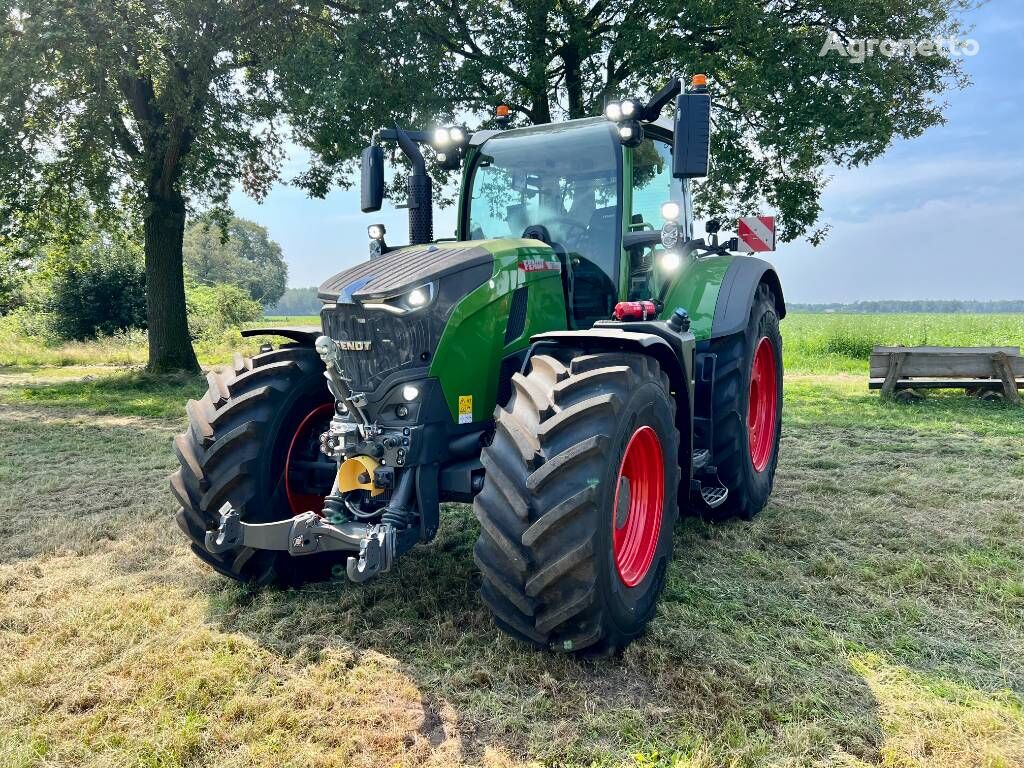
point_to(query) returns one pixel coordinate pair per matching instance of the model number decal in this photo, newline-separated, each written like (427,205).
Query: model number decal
(539,265)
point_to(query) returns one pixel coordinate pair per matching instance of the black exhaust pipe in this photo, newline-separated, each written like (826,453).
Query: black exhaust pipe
(420,201)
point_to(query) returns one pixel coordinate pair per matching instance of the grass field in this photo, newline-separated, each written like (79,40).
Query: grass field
(872,615)
(818,343)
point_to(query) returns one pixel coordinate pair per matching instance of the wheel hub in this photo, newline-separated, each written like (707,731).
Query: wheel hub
(304,462)
(638,506)
(762,405)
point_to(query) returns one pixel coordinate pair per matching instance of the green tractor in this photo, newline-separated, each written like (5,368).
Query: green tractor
(574,363)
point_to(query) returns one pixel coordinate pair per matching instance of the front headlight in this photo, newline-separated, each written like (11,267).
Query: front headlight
(411,301)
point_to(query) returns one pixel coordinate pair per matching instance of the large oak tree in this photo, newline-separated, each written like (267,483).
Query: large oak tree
(142,104)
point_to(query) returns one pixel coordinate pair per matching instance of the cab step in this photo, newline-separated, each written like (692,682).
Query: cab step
(714,496)
(701,459)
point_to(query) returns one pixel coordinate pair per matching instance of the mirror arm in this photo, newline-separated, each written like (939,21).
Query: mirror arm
(652,110)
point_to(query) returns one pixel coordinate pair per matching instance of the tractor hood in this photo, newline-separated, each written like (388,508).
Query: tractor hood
(399,271)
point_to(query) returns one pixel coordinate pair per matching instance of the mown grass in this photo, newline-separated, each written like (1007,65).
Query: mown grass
(872,615)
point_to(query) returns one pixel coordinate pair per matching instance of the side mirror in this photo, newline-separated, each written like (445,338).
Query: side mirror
(692,139)
(372,179)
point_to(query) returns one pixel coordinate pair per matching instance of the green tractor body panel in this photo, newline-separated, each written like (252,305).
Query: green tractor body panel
(696,289)
(480,333)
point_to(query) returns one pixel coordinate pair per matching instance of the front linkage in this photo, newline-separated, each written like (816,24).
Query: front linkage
(307,534)
(377,544)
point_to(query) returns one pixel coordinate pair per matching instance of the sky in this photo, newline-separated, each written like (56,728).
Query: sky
(934,218)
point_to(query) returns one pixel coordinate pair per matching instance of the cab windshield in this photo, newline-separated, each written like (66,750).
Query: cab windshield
(564,180)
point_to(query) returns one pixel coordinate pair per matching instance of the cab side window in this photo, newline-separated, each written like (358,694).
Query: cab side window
(653,184)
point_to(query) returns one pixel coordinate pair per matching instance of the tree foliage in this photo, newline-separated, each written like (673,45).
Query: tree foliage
(296,302)
(151,107)
(214,309)
(143,106)
(783,113)
(240,253)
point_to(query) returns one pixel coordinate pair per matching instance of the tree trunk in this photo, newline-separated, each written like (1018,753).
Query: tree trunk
(170,347)
(537,61)
(573,81)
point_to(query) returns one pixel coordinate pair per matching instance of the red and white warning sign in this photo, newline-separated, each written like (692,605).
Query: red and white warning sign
(756,233)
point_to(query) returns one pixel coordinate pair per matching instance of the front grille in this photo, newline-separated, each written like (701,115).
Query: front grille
(397,342)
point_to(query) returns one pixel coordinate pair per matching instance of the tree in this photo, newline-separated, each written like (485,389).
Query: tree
(296,302)
(141,105)
(12,275)
(784,108)
(240,253)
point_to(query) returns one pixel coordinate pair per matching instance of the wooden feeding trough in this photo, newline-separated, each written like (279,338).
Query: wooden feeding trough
(977,370)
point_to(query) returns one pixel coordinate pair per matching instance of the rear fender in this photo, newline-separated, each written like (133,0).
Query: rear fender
(736,294)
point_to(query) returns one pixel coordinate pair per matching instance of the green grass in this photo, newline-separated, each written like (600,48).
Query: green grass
(125,350)
(872,615)
(289,320)
(130,394)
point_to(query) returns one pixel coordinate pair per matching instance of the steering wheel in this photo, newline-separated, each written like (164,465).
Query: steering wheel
(574,230)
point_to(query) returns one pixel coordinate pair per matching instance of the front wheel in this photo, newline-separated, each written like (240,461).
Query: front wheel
(253,442)
(748,409)
(579,501)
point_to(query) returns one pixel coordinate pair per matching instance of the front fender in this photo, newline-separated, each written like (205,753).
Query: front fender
(305,335)
(676,359)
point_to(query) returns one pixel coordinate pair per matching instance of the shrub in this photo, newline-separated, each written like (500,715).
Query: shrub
(93,288)
(213,309)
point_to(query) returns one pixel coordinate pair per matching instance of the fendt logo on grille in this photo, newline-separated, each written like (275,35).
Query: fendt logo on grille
(355,346)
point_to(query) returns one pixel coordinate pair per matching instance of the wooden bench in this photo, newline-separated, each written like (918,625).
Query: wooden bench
(978,369)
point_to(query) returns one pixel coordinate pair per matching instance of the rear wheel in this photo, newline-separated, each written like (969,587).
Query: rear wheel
(579,501)
(748,409)
(253,442)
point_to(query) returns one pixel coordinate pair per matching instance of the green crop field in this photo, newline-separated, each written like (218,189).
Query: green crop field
(830,343)
(873,615)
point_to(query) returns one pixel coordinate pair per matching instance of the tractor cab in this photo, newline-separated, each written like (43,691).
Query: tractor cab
(593,190)
(576,187)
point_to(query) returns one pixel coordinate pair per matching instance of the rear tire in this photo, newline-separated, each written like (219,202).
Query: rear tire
(235,451)
(735,456)
(568,562)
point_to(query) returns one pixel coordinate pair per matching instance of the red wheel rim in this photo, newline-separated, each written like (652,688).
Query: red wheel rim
(298,500)
(762,406)
(635,527)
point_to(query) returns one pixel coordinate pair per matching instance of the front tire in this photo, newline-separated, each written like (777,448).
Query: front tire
(748,409)
(579,502)
(253,442)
